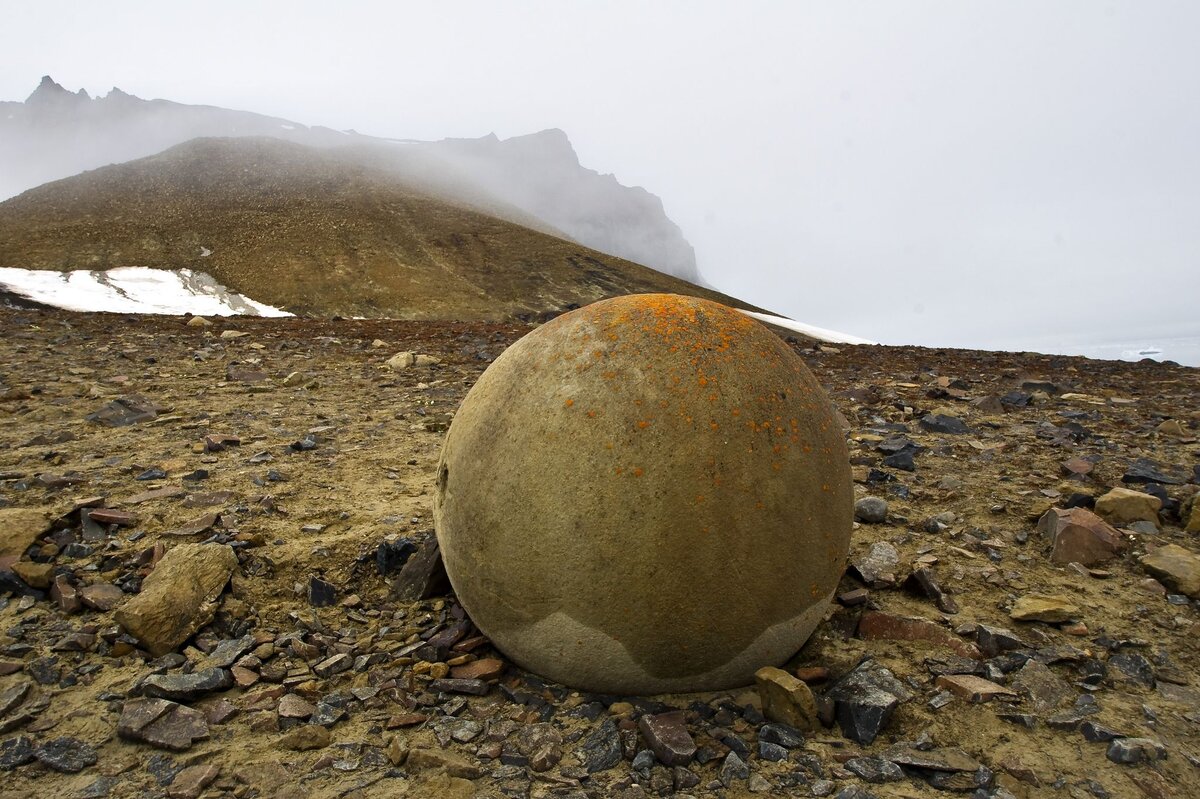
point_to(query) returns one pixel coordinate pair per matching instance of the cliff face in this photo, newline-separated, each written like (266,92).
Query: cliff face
(533,180)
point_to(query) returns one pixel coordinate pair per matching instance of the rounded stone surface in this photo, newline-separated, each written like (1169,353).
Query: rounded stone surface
(648,494)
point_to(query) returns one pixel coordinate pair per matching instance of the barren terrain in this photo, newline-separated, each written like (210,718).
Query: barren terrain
(295,443)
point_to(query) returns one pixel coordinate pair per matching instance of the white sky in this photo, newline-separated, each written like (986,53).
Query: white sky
(999,174)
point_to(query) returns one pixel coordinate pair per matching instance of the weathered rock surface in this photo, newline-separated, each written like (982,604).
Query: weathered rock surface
(1079,536)
(1178,567)
(1050,608)
(1122,506)
(786,699)
(19,528)
(162,723)
(178,597)
(533,495)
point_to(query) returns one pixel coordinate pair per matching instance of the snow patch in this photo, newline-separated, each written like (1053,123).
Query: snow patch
(812,331)
(132,289)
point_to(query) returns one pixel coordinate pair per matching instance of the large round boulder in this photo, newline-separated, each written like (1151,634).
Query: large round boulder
(649,494)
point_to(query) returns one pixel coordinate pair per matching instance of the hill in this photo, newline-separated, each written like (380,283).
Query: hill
(534,180)
(312,231)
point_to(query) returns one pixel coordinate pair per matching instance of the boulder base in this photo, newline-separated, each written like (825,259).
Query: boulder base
(647,494)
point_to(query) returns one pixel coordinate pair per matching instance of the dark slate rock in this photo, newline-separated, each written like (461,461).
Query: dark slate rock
(1144,470)
(390,556)
(66,755)
(601,750)
(865,699)
(874,769)
(309,442)
(733,769)
(784,735)
(902,461)
(321,593)
(1078,500)
(424,575)
(153,473)
(226,653)
(994,640)
(643,761)
(186,687)
(1098,733)
(770,751)
(1129,751)
(16,752)
(937,423)
(1131,667)
(127,410)
(1016,399)
(161,723)
(453,686)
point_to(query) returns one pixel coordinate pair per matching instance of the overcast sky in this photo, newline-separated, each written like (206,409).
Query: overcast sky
(1003,175)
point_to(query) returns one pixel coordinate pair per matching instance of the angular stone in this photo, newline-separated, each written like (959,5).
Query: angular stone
(1177,567)
(460,686)
(785,699)
(334,665)
(1045,689)
(65,595)
(1079,536)
(109,516)
(178,597)
(864,700)
(424,575)
(483,669)
(1049,608)
(101,596)
(16,752)
(733,769)
(306,737)
(994,640)
(1077,467)
(972,688)
(1129,751)
(191,782)
(1144,470)
(877,625)
(422,759)
(601,750)
(877,568)
(1122,506)
(292,706)
(161,723)
(226,653)
(924,582)
(127,410)
(186,687)
(939,759)
(66,755)
(874,769)
(783,735)
(939,423)
(20,528)
(36,575)
(668,736)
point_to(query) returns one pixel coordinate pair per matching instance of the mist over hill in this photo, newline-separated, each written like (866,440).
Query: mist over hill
(312,231)
(535,180)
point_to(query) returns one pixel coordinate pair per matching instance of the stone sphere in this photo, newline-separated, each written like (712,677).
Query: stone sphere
(649,494)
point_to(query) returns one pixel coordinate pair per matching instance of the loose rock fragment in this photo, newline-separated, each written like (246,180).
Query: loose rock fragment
(1079,536)
(67,755)
(1123,506)
(865,699)
(668,737)
(1130,751)
(179,597)
(972,688)
(1049,608)
(306,737)
(1175,566)
(186,687)
(162,723)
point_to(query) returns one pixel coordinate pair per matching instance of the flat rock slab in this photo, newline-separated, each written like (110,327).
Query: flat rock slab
(972,688)
(1049,608)
(162,723)
(1079,536)
(179,597)
(186,687)
(876,625)
(668,737)
(1176,566)
(940,759)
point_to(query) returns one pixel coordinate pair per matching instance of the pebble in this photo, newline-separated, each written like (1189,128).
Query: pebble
(668,737)
(871,510)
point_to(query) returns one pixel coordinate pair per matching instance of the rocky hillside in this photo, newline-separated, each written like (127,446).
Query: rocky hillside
(533,180)
(1018,619)
(312,231)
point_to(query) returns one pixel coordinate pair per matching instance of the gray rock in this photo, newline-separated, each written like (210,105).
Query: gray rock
(877,568)
(226,653)
(423,575)
(871,510)
(66,755)
(453,686)
(782,734)
(937,423)
(1131,667)
(668,737)
(874,769)
(1129,751)
(1098,733)
(770,751)
(865,699)
(733,769)
(16,752)
(186,687)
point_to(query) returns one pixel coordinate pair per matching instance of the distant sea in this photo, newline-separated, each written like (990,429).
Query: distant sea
(1184,350)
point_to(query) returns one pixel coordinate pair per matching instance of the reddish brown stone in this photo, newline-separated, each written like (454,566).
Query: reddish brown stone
(485,669)
(1079,536)
(812,674)
(877,625)
(1077,467)
(972,688)
(65,595)
(101,596)
(110,516)
(406,720)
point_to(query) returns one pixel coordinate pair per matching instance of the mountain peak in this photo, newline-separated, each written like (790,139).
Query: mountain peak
(48,91)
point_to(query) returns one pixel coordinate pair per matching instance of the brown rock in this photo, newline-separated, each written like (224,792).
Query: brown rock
(191,782)
(306,737)
(19,528)
(293,707)
(483,669)
(1193,519)
(110,516)
(422,759)
(37,575)
(785,698)
(179,597)
(65,594)
(972,688)
(667,735)
(876,625)
(1077,467)
(1079,536)
(1050,608)
(423,575)
(1124,506)
(101,596)
(1175,566)
(161,723)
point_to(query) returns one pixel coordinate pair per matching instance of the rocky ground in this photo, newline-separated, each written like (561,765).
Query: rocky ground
(217,579)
